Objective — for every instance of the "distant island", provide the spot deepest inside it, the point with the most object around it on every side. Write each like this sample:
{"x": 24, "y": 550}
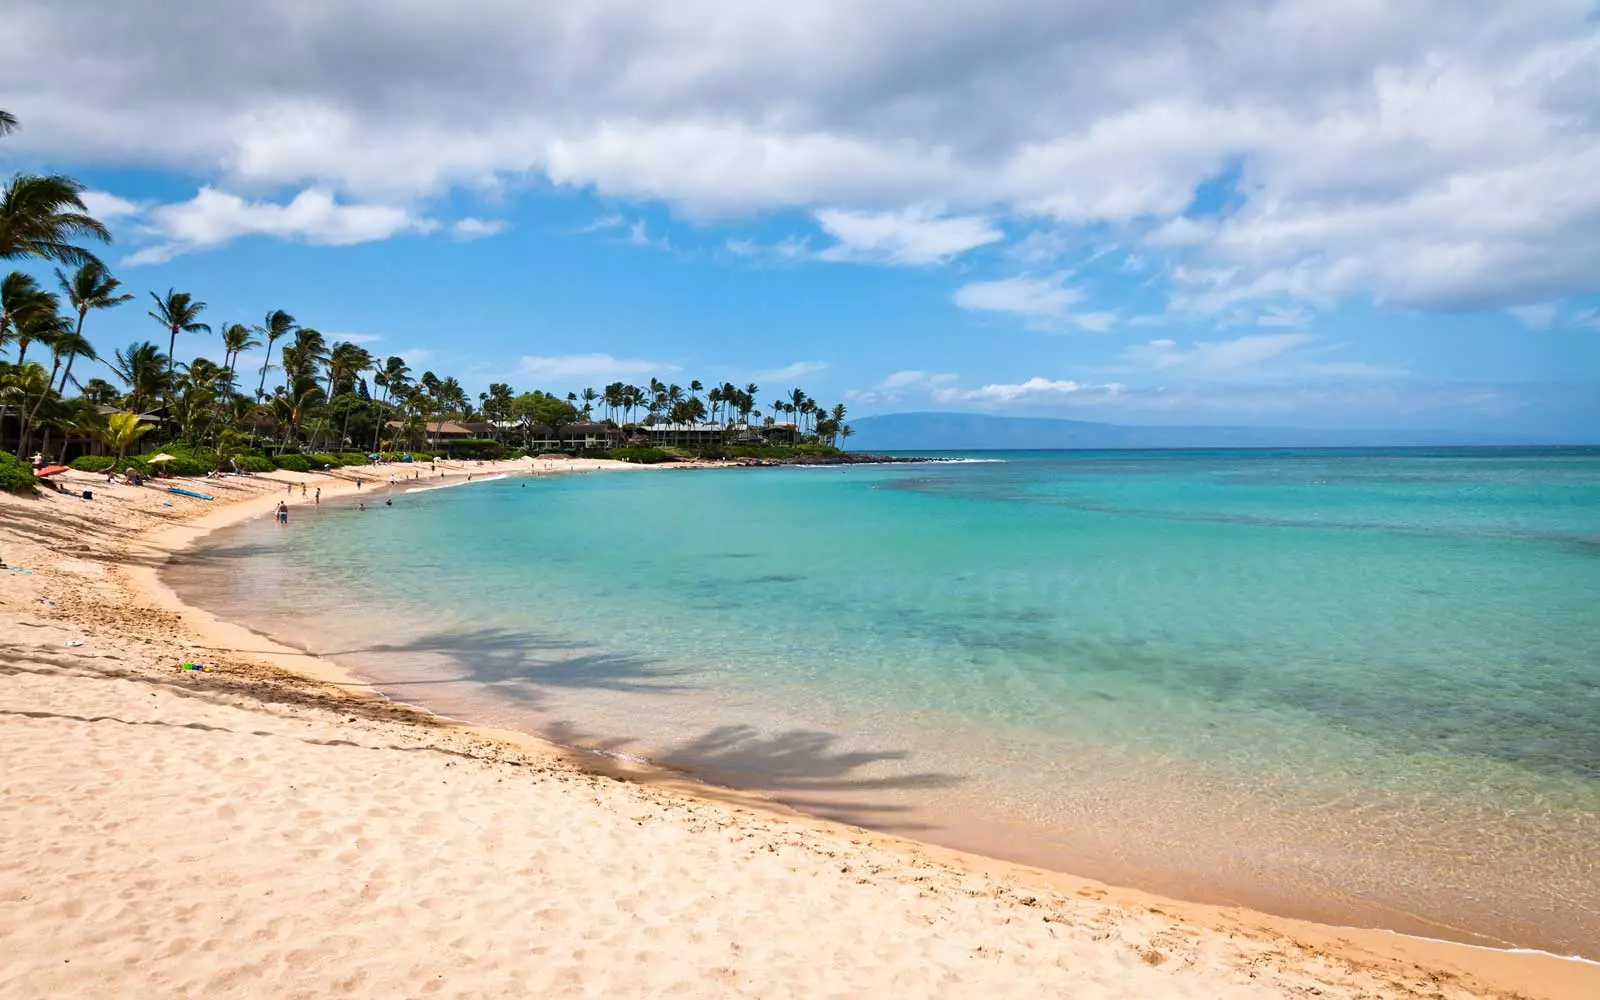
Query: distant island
{"x": 900, "y": 432}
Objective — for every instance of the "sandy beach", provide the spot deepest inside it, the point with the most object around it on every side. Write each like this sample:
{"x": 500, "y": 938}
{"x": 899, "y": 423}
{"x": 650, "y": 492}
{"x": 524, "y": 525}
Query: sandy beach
{"x": 268, "y": 827}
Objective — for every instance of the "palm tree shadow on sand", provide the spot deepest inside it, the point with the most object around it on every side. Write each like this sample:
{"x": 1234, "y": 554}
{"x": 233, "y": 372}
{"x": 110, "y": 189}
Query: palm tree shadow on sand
{"x": 521, "y": 665}
{"x": 802, "y": 768}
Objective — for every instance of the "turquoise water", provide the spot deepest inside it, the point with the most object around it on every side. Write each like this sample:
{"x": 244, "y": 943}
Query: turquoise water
{"x": 1358, "y": 686}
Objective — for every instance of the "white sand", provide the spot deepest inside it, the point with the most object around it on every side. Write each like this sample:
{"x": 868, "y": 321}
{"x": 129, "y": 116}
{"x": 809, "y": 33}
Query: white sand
{"x": 244, "y": 832}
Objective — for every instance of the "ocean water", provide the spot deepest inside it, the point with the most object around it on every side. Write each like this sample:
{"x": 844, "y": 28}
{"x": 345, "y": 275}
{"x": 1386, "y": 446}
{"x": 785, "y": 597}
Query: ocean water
{"x": 1357, "y": 686}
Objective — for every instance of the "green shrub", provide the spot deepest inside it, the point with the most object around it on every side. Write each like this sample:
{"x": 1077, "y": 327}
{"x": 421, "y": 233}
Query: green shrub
{"x": 353, "y": 458}
{"x": 294, "y": 463}
{"x": 94, "y": 463}
{"x": 639, "y": 456}
{"x": 324, "y": 460}
{"x": 16, "y": 476}
{"x": 474, "y": 448}
{"x": 253, "y": 463}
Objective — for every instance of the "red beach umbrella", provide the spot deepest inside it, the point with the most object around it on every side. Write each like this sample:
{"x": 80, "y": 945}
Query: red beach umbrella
{"x": 49, "y": 470}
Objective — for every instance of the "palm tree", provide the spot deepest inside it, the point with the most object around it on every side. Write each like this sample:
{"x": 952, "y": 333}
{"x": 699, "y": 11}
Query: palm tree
{"x": 277, "y": 325}
{"x": 67, "y": 344}
{"x": 179, "y": 313}
{"x": 19, "y": 384}
{"x": 21, "y": 298}
{"x": 42, "y": 325}
{"x": 91, "y": 286}
{"x": 8, "y": 123}
{"x": 144, "y": 369}
{"x": 236, "y": 339}
{"x": 394, "y": 378}
{"x": 122, "y": 430}
{"x": 43, "y": 216}
{"x": 99, "y": 392}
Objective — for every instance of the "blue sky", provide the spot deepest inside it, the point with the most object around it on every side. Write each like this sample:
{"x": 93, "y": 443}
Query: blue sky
{"x": 1283, "y": 213}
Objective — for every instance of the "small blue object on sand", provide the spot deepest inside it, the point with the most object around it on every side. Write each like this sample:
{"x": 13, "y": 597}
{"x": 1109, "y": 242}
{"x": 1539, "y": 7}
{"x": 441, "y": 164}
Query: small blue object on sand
{"x": 188, "y": 493}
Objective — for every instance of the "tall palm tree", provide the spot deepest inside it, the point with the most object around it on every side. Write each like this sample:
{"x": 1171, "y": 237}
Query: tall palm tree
{"x": 345, "y": 363}
{"x": 236, "y": 339}
{"x": 45, "y": 217}
{"x": 91, "y": 286}
{"x": 395, "y": 377}
{"x": 178, "y": 313}
{"x": 276, "y": 326}
{"x": 66, "y": 344}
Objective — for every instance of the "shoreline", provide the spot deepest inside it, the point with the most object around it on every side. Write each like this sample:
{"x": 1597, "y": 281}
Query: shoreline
{"x": 142, "y": 558}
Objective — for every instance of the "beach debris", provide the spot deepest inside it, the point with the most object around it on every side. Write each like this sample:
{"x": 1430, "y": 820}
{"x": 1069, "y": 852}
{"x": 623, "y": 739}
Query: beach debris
{"x": 73, "y": 642}
{"x": 191, "y": 666}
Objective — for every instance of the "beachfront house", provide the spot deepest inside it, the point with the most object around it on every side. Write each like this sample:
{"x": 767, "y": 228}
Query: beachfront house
{"x": 582, "y": 436}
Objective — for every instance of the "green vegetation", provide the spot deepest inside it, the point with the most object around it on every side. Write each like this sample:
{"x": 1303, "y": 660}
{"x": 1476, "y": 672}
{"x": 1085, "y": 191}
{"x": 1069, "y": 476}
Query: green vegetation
{"x": 16, "y": 476}
{"x": 637, "y": 455}
{"x": 335, "y": 402}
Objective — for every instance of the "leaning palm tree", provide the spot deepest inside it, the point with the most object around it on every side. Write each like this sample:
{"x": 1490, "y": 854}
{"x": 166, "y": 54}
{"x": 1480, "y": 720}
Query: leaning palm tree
{"x": 179, "y": 313}
{"x": 91, "y": 286}
{"x": 41, "y": 326}
{"x": 45, "y": 217}
{"x": 277, "y": 325}
{"x": 236, "y": 339}
{"x": 8, "y": 123}
{"x": 20, "y": 298}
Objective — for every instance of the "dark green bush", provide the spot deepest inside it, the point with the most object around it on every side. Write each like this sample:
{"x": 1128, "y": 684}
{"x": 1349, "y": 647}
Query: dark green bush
{"x": 639, "y": 456}
{"x": 253, "y": 463}
{"x": 94, "y": 463}
{"x": 294, "y": 463}
{"x": 16, "y": 476}
{"x": 474, "y": 448}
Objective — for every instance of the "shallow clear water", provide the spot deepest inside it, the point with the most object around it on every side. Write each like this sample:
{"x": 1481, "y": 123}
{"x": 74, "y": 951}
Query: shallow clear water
{"x": 1357, "y": 686}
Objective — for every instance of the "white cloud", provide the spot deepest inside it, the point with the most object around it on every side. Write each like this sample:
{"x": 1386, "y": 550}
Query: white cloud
{"x": 476, "y": 229}
{"x": 415, "y": 355}
{"x": 212, "y": 218}
{"x": 1535, "y": 317}
{"x": 1044, "y": 302}
{"x": 1273, "y": 355}
{"x": 911, "y": 377}
{"x": 914, "y": 236}
{"x": 1035, "y": 298}
{"x": 354, "y": 338}
{"x": 596, "y": 366}
{"x": 1295, "y": 316}
{"x": 1218, "y": 356}
{"x": 791, "y": 371}
{"x": 1034, "y": 390}
{"x": 1433, "y": 153}
{"x": 786, "y": 250}
{"x": 107, "y": 207}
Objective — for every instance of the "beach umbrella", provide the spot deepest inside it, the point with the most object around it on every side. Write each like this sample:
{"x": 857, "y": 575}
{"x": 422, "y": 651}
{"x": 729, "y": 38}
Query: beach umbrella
{"x": 163, "y": 457}
{"x": 49, "y": 470}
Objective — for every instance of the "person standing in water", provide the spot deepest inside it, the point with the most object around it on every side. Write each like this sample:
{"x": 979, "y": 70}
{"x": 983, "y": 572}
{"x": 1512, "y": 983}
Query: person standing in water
{"x": 283, "y": 512}
{"x": 319, "y": 495}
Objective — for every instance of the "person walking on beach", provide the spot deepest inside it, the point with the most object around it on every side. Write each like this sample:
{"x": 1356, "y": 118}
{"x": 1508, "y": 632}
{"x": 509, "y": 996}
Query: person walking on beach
{"x": 319, "y": 495}
{"x": 289, "y": 489}
{"x": 302, "y": 489}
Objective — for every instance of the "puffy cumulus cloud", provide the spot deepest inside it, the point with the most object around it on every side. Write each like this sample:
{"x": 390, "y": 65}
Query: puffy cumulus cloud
{"x": 212, "y": 218}
{"x": 896, "y": 387}
{"x": 595, "y": 366}
{"x": 108, "y": 207}
{"x": 916, "y": 235}
{"x": 1432, "y": 153}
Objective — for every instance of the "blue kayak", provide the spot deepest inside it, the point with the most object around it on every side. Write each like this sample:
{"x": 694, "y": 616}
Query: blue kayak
{"x": 189, "y": 493}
